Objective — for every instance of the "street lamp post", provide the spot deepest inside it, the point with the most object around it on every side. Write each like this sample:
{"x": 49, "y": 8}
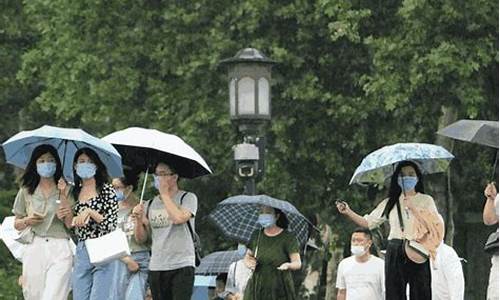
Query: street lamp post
{"x": 249, "y": 75}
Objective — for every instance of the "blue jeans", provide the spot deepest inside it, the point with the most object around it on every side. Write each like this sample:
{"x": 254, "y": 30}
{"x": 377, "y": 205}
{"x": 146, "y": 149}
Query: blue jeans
{"x": 91, "y": 282}
{"x": 127, "y": 285}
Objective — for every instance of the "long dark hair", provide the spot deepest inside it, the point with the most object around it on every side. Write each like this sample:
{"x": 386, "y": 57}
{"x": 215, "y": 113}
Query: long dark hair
{"x": 30, "y": 178}
{"x": 282, "y": 220}
{"x": 101, "y": 175}
{"x": 395, "y": 189}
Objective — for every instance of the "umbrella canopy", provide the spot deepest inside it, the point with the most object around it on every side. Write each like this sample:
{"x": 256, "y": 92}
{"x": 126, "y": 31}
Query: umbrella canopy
{"x": 217, "y": 262}
{"x": 474, "y": 131}
{"x": 67, "y": 141}
{"x": 379, "y": 165}
{"x": 8, "y": 234}
{"x": 237, "y": 217}
{"x": 141, "y": 148}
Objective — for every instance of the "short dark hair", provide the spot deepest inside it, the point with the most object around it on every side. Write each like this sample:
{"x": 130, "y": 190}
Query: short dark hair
{"x": 131, "y": 177}
{"x": 366, "y": 231}
{"x": 30, "y": 178}
{"x": 169, "y": 165}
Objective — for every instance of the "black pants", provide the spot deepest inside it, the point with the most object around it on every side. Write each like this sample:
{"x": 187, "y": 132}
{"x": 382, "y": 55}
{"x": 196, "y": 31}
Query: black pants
{"x": 400, "y": 270}
{"x": 172, "y": 285}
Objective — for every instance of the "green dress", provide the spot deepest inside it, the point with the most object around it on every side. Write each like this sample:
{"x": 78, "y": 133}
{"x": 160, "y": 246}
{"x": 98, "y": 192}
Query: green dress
{"x": 267, "y": 282}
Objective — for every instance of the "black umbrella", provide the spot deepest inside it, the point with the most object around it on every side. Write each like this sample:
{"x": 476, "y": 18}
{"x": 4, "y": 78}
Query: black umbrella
{"x": 474, "y": 131}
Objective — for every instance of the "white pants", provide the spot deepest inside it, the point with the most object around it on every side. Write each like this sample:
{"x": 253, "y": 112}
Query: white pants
{"x": 47, "y": 264}
{"x": 493, "y": 283}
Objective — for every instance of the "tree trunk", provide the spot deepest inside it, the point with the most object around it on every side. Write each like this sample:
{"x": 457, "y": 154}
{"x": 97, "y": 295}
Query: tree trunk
{"x": 441, "y": 190}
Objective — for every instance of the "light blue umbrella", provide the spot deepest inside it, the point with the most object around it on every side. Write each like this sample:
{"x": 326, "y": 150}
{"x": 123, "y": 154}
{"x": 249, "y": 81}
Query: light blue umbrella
{"x": 379, "y": 165}
{"x": 67, "y": 141}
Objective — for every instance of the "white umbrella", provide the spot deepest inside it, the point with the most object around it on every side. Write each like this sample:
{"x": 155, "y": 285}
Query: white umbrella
{"x": 141, "y": 148}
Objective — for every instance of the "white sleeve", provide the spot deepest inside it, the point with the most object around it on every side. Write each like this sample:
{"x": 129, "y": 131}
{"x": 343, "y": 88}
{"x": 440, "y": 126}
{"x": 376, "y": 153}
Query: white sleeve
{"x": 382, "y": 279}
{"x": 375, "y": 218}
{"x": 340, "y": 276}
{"x": 454, "y": 275}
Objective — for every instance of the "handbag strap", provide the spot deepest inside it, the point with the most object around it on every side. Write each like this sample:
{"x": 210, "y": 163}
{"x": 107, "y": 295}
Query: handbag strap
{"x": 188, "y": 221}
{"x": 400, "y": 216}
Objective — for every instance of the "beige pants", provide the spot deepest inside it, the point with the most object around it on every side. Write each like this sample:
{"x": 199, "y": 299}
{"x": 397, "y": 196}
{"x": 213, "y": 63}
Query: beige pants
{"x": 47, "y": 264}
{"x": 493, "y": 283}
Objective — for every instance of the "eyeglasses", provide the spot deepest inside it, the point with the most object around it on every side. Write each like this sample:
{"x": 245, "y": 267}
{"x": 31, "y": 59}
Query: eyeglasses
{"x": 163, "y": 174}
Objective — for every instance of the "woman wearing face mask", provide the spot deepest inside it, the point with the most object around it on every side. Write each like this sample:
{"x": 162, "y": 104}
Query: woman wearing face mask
{"x": 95, "y": 212}
{"x": 407, "y": 188}
{"x": 131, "y": 272}
{"x": 273, "y": 253}
{"x": 47, "y": 259}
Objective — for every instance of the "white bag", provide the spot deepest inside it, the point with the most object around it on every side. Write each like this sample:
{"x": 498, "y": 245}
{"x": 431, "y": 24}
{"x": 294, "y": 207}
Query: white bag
{"x": 108, "y": 247}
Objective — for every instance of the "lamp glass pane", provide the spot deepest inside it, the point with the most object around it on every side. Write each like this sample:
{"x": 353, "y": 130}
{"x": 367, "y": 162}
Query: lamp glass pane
{"x": 232, "y": 97}
{"x": 263, "y": 96}
{"x": 246, "y": 96}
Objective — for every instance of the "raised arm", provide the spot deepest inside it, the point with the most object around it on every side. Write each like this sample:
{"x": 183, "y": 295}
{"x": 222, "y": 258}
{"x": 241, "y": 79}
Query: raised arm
{"x": 489, "y": 214}
{"x": 344, "y": 209}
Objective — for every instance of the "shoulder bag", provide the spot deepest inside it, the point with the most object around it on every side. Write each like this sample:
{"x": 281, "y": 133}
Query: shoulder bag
{"x": 415, "y": 251}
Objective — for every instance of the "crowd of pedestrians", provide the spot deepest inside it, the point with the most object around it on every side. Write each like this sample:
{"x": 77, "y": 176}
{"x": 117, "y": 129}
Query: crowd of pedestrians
{"x": 51, "y": 215}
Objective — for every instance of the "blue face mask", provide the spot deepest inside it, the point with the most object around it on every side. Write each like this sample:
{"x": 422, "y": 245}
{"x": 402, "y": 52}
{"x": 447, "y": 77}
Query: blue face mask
{"x": 407, "y": 183}
{"x": 47, "y": 169}
{"x": 85, "y": 170}
{"x": 156, "y": 182}
{"x": 120, "y": 195}
{"x": 266, "y": 220}
{"x": 242, "y": 249}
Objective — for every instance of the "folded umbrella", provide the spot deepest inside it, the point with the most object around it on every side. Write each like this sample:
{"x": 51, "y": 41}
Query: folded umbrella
{"x": 237, "y": 217}
{"x": 217, "y": 262}
{"x": 379, "y": 165}
{"x": 474, "y": 131}
{"x": 67, "y": 141}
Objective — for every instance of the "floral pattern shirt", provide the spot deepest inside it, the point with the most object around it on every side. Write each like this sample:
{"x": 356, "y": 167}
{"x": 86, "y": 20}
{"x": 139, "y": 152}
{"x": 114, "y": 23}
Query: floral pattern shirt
{"x": 106, "y": 205}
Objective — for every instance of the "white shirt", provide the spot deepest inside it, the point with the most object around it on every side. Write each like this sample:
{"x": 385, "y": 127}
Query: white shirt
{"x": 448, "y": 279}
{"x": 237, "y": 278}
{"x": 362, "y": 280}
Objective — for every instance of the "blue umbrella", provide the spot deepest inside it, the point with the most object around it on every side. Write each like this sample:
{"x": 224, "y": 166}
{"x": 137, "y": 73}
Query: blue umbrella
{"x": 217, "y": 262}
{"x": 237, "y": 217}
{"x": 67, "y": 141}
{"x": 379, "y": 165}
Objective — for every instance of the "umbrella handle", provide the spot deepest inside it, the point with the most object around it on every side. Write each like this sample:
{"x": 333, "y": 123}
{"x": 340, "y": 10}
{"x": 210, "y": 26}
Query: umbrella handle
{"x": 144, "y": 186}
{"x": 58, "y": 201}
{"x": 494, "y": 168}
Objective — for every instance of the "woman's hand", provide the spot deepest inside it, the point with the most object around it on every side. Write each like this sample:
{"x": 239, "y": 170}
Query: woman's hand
{"x": 32, "y": 221}
{"x": 61, "y": 184}
{"x": 63, "y": 211}
{"x": 138, "y": 212}
{"x": 82, "y": 219}
{"x": 284, "y": 267}
{"x": 343, "y": 207}
{"x": 250, "y": 261}
{"x": 490, "y": 192}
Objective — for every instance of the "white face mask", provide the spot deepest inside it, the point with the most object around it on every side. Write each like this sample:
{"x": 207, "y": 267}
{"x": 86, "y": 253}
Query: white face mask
{"x": 358, "y": 250}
